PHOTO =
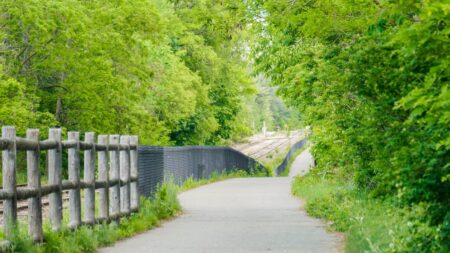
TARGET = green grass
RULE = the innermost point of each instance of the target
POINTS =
(89, 238)
(370, 225)
(276, 159)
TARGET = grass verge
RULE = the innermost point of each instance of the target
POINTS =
(370, 225)
(89, 238)
(275, 160)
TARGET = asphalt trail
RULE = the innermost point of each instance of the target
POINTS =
(238, 215)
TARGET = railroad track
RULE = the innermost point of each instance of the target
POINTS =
(269, 149)
(22, 205)
(268, 143)
(275, 143)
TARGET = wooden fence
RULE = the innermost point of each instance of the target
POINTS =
(114, 156)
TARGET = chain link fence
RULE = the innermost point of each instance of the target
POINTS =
(157, 164)
(284, 164)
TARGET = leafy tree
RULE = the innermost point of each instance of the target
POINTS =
(212, 47)
(170, 72)
(372, 78)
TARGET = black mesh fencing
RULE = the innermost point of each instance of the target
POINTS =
(157, 164)
(295, 147)
(150, 168)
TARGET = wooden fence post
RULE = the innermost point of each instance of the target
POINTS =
(134, 173)
(103, 176)
(34, 182)
(114, 174)
(115, 187)
(9, 180)
(55, 178)
(89, 178)
(74, 178)
(125, 175)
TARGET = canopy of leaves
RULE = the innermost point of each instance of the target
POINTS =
(171, 72)
(372, 79)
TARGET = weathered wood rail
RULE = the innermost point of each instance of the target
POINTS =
(113, 158)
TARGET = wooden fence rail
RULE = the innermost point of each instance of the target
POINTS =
(114, 156)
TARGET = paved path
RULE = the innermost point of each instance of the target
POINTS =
(233, 216)
(302, 164)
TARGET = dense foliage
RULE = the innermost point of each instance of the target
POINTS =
(372, 79)
(370, 76)
(169, 71)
